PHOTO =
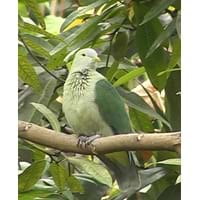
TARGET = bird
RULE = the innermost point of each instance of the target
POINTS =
(93, 108)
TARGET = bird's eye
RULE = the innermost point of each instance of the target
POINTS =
(83, 54)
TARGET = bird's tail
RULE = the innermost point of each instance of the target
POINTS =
(123, 166)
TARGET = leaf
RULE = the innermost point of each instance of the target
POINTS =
(35, 193)
(63, 179)
(168, 71)
(68, 194)
(173, 192)
(165, 34)
(74, 40)
(49, 115)
(27, 73)
(97, 171)
(36, 29)
(135, 101)
(141, 121)
(28, 112)
(176, 53)
(37, 44)
(110, 72)
(129, 76)
(145, 36)
(120, 45)
(172, 161)
(156, 10)
(178, 24)
(74, 184)
(57, 58)
(90, 184)
(147, 177)
(31, 175)
(173, 100)
(85, 33)
(53, 24)
(178, 180)
(33, 5)
(59, 175)
(151, 175)
(78, 13)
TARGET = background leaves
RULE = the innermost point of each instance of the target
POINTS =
(139, 43)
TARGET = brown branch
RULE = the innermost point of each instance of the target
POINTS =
(124, 142)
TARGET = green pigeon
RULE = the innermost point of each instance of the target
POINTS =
(93, 107)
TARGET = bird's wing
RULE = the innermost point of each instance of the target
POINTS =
(111, 107)
(112, 110)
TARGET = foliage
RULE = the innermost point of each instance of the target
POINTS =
(137, 41)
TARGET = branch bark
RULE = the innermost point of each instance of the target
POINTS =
(124, 142)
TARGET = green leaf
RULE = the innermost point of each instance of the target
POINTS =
(178, 24)
(97, 171)
(156, 10)
(74, 184)
(173, 192)
(176, 52)
(74, 40)
(57, 58)
(68, 194)
(53, 24)
(85, 33)
(129, 76)
(135, 101)
(31, 175)
(22, 10)
(28, 112)
(110, 73)
(147, 177)
(59, 175)
(33, 5)
(27, 73)
(178, 180)
(90, 184)
(141, 121)
(62, 178)
(37, 44)
(173, 100)
(78, 13)
(35, 193)
(36, 29)
(151, 175)
(162, 37)
(172, 161)
(168, 71)
(49, 115)
(145, 36)
(120, 45)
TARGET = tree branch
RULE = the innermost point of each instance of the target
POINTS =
(124, 142)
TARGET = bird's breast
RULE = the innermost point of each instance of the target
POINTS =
(80, 108)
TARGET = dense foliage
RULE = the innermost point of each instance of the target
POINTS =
(138, 41)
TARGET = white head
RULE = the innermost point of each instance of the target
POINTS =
(85, 59)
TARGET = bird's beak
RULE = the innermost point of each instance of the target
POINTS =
(97, 59)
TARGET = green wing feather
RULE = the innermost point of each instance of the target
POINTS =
(112, 110)
(111, 107)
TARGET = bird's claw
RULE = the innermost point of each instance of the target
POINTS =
(86, 140)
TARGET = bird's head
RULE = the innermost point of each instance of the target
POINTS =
(85, 59)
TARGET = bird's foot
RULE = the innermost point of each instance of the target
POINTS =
(86, 140)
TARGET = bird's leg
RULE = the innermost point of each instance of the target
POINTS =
(86, 140)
